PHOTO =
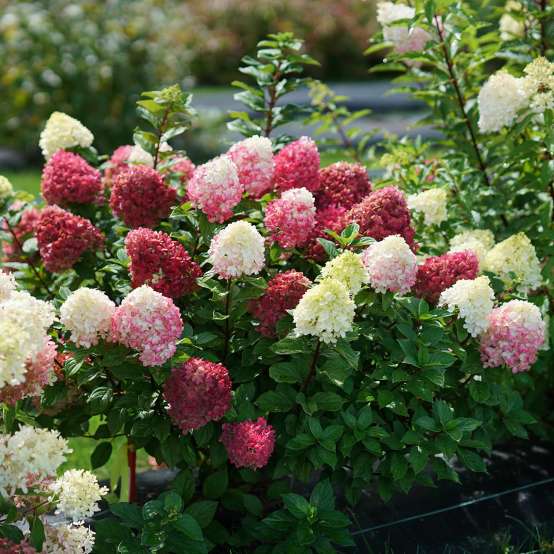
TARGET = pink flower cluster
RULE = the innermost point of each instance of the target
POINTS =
(161, 262)
(8, 547)
(140, 197)
(117, 162)
(437, 273)
(332, 218)
(40, 372)
(215, 188)
(150, 323)
(69, 179)
(254, 160)
(297, 165)
(516, 332)
(63, 238)
(183, 166)
(248, 443)
(342, 184)
(24, 229)
(283, 293)
(382, 213)
(291, 218)
(198, 391)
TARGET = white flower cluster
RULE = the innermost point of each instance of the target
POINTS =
(68, 539)
(77, 493)
(391, 265)
(63, 131)
(403, 38)
(500, 100)
(515, 255)
(538, 84)
(28, 456)
(87, 314)
(431, 203)
(139, 156)
(479, 241)
(325, 311)
(6, 188)
(474, 299)
(237, 250)
(510, 26)
(348, 269)
(7, 285)
(24, 321)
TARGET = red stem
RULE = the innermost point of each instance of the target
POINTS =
(132, 463)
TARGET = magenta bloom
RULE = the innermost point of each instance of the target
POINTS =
(297, 165)
(516, 332)
(63, 238)
(117, 162)
(248, 443)
(283, 293)
(215, 188)
(150, 323)
(342, 184)
(382, 213)
(24, 229)
(198, 391)
(332, 218)
(183, 166)
(140, 197)
(291, 218)
(69, 179)
(161, 262)
(437, 273)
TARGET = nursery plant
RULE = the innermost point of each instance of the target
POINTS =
(285, 336)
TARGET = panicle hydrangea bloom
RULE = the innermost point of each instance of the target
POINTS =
(437, 273)
(479, 241)
(474, 299)
(29, 456)
(514, 336)
(6, 188)
(325, 311)
(237, 250)
(87, 314)
(61, 132)
(117, 161)
(198, 391)
(77, 493)
(150, 323)
(538, 84)
(161, 262)
(140, 197)
(139, 156)
(7, 285)
(500, 99)
(348, 269)
(215, 188)
(248, 443)
(382, 213)
(431, 203)
(184, 167)
(63, 238)
(510, 27)
(39, 373)
(391, 265)
(23, 230)
(282, 294)
(68, 179)
(403, 38)
(332, 218)
(291, 218)
(68, 539)
(13, 354)
(254, 160)
(515, 255)
(342, 184)
(297, 165)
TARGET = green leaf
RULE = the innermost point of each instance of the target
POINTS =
(328, 401)
(37, 534)
(274, 401)
(427, 423)
(253, 504)
(297, 505)
(417, 458)
(300, 442)
(287, 372)
(188, 526)
(215, 484)
(471, 460)
(443, 412)
(202, 511)
(130, 514)
(323, 496)
(101, 454)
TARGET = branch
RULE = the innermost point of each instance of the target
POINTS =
(313, 365)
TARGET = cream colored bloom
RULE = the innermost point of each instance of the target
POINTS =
(7, 285)
(139, 156)
(538, 84)
(6, 188)
(432, 204)
(63, 131)
(348, 269)
(510, 27)
(68, 539)
(479, 241)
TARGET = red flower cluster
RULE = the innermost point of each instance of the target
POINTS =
(69, 179)
(342, 184)
(283, 293)
(382, 213)
(332, 218)
(297, 165)
(117, 162)
(161, 262)
(248, 443)
(22, 231)
(63, 238)
(438, 273)
(198, 391)
(140, 197)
